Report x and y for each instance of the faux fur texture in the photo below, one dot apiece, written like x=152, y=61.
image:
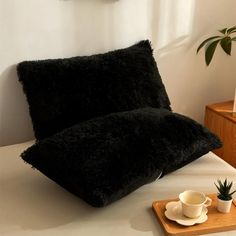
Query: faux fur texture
x=63, y=92
x=104, y=159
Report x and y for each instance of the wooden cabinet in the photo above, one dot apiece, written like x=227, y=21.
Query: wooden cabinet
x=219, y=119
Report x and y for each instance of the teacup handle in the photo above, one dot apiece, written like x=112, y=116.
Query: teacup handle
x=208, y=202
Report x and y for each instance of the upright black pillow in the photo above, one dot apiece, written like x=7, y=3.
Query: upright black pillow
x=104, y=159
x=63, y=92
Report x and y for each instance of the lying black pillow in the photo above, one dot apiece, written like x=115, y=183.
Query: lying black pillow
x=63, y=92
x=104, y=159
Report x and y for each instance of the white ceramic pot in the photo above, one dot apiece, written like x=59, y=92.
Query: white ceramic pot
x=224, y=205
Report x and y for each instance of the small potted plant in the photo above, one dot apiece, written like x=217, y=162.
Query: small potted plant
x=224, y=195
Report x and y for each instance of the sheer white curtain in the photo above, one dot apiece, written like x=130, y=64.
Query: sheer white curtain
x=172, y=21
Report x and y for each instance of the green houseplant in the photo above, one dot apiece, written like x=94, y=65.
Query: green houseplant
x=224, y=195
x=225, y=39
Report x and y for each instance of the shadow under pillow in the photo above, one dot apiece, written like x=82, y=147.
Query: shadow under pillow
x=104, y=159
x=63, y=92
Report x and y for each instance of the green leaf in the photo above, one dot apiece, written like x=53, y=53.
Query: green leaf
x=223, y=31
x=220, y=183
x=233, y=31
x=206, y=41
x=225, y=183
x=233, y=39
x=230, y=30
x=218, y=188
x=210, y=50
x=232, y=193
x=226, y=45
x=223, y=188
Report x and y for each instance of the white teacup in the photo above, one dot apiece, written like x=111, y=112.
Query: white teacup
x=193, y=202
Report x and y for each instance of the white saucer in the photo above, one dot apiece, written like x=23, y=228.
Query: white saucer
x=174, y=212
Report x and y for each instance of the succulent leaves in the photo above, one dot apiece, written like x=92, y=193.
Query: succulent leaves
x=224, y=189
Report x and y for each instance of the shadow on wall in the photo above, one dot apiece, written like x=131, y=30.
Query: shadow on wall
x=13, y=110
x=171, y=21
x=177, y=28
x=172, y=37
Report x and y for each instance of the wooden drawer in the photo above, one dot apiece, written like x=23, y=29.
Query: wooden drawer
x=219, y=119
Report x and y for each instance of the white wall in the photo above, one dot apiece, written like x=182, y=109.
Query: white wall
x=185, y=24
x=37, y=29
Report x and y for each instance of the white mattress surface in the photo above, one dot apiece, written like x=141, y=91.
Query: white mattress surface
x=33, y=205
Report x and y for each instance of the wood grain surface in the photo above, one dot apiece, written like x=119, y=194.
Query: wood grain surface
x=219, y=119
x=217, y=222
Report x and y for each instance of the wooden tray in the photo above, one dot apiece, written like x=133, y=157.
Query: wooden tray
x=217, y=222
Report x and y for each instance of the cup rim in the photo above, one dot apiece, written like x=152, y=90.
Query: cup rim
x=192, y=191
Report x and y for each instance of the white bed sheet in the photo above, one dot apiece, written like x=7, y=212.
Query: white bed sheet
x=33, y=205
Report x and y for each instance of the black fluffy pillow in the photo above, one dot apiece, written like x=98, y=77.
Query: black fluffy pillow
x=104, y=159
x=63, y=92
